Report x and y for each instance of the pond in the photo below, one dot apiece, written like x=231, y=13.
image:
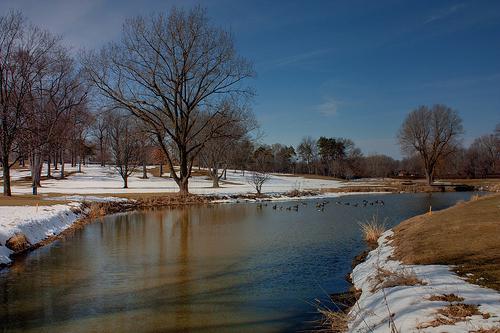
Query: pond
x=213, y=268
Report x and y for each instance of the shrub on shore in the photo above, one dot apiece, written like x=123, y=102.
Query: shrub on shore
x=372, y=230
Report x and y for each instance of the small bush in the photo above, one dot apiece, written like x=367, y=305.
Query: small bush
x=372, y=230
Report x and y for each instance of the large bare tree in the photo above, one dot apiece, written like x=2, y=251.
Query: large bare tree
x=171, y=72
x=432, y=132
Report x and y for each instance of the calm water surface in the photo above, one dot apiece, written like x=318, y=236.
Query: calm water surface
x=220, y=268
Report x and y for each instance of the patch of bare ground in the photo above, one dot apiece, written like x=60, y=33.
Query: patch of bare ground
x=446, y=298
x=172, y=200
x=308, y=176
x=452, y=314
x=298, y=193
x=29, y=200
x=464, y=236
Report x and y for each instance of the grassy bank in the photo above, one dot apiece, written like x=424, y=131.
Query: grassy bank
x=465, y=236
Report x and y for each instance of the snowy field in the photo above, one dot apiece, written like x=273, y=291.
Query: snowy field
x=105, y=180
x=410, y=305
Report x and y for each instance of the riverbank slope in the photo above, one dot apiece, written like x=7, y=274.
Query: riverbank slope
x=435, y=272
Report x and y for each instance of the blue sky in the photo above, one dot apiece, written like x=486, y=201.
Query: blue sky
x=333, y=68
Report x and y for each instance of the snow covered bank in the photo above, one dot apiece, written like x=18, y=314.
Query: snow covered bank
x=34, y=222
x=409, y=308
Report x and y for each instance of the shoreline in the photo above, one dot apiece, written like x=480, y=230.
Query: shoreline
x=387, y=294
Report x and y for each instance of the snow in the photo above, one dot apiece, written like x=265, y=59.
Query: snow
x=35, y=222
x=95, y=179
x=410, y=304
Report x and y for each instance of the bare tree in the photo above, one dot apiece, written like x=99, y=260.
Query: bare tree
x=99, y=131
x=241, y=154
x=257, y=180
x=216, y=153
x=159, y=158
x=23, y=50
x=379, y=165
x=483, y=156
x=124, y=145
x=56, y=89
x=433, y=133
x=170, y=72
x=307, y=152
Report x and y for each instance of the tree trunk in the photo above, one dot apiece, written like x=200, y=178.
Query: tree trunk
x=183, y=172
x=6, y=176
x=125, y=181
x=429, y=176
x=101, y=147
x=144, y=171
x=36, y=169
x=55, y=161
x=161, y=169
x=48, y=166
x=62, y=168
x=183, y=187
x=214, y=173
x=79, y=164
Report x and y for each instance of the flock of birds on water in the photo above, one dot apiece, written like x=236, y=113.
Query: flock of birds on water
x=320, y=206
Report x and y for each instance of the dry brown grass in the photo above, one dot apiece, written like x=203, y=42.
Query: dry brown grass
x=372, y=230
x=29, y=200
x=465, y=236
x=487, y=330
x=475, y=197
x=451, y=314
x=446, y=298
x=333, y=321
x=388, y=279
x=18, y=243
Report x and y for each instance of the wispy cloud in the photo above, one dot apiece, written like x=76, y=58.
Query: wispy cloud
x=301, y=57
x=444, y=13
x=329, y=107
x=295, y=59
